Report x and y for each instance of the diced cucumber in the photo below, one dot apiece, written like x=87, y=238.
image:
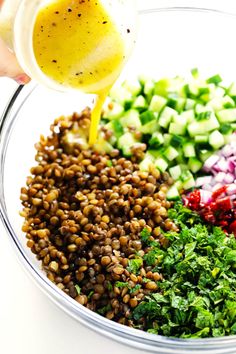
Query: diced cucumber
x=157, y=103
x=133, y=86
x=204, y=155
x=140, y=103
x=203, y=126
x=194, y=164
x=126, y=142
x=189, y=183
x=120, y=94
x=227, y=128
x=173, y=193
x=189, y=150
x=216, y=79
x=230, y=138
x=191, y=90
x=161, y=164
x=170, y=153
x=175, y=172
x=131, y=119
x=176, y=102
x=146, y=162
x=166, y=116
x=147, y=116
x=228, y=102
x=148, y=89
x=190, y=104
x=179, y=185
x=216, y=139
x=115, y=110
x=156, y=140
x=176, y=128
x=117, y=127
x=188, y=116
x=162, y=87
x=176, y=140
x=201, y=108
x=180, y=119
x=150, y=127
x=201, y=139
x=227, y=115
x=153, y=153
x=195, y=73
x=167, y=139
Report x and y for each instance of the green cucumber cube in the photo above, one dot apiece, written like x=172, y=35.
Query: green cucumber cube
x=189, y=150
x=139, y=103
x=175, y=172
x=120, y=94
x=161, y=164
x=173, y=193
x=157, y=103
x=131, y=119
x=176, y=128
x=170, y=153
x=150, y=127
x=216, y=139
x=227, y=115
x=194, y=164
x=126, y=142
x=133, y=86
x=146, y=162
x=114, y=112
x=166, y=116
x=156, y=140
x=147, y=116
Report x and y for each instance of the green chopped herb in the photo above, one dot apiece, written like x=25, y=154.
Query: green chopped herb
x=134, y=265
x=109, y=286
x=121, y=284
x=216, y=79
x=145, y=236
x=90, y=294
x=135, y=288
x=78, y=289
x=197, y=296
x=103, y=310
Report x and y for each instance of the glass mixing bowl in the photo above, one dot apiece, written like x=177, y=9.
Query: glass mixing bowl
x=171, y=41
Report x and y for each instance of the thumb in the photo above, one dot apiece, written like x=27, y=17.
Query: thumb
x=9, y=66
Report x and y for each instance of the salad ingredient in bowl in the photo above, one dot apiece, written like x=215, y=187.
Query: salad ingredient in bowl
x=103, y=223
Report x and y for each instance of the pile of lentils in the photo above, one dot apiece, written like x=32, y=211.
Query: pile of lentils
x=83, y=214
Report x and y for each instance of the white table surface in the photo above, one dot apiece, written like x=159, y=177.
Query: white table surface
x=29, y=322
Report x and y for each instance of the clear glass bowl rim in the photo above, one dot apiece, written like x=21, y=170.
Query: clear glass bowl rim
x=128, y=336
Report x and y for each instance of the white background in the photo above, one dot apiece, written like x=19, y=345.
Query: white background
x=29, y=322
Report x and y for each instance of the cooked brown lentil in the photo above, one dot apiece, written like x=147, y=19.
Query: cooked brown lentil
x=84, y=212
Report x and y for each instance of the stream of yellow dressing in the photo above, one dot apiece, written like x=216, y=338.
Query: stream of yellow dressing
x=76, y=43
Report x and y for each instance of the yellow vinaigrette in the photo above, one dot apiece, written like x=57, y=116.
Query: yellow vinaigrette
x=77, y=44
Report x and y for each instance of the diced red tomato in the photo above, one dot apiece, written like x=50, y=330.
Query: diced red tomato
x=221, y=211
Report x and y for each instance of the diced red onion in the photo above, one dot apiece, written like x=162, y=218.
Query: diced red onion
x=229, y=178
x=217, y=186
x=210, y=162
x=206, y=196
x=231, y=189
x=201, y=181
x=220, y=177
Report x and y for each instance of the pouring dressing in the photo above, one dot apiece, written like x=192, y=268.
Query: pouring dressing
x=72, y=45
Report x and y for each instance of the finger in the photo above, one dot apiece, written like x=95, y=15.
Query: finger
x=9, y=66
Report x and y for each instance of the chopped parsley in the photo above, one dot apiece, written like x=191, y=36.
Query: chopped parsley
x=134, y=265
x=197, y=296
